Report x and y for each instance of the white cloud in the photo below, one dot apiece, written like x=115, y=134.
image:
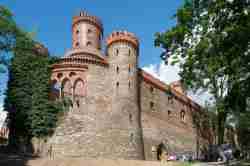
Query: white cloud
x=165, y=73
x=168, y=74
x=1, y=106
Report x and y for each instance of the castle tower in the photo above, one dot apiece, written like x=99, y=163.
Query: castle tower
x=86, y=31
x=122, y=52
x=104, y=121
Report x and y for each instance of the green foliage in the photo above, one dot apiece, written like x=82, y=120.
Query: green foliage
x=243, y=129
x=211, y=42
x=9, y=31
x=31, y=112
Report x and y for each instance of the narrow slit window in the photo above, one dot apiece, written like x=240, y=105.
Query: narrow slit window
x=182, y=115
x=77, y=103
x=117, y=70
x=152, y=105
x=117, y=84
x=131, y=137
x=129, y=84
x=117, y=52
x=151, y=89
x=130, y=117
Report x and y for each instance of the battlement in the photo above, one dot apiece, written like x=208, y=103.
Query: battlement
x=85, y=17
x=122, y=36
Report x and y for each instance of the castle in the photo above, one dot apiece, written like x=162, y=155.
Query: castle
x=117, y=110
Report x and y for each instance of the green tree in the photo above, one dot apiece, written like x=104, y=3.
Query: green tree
x=31, y=112
x=211, y=43
x=9, y=31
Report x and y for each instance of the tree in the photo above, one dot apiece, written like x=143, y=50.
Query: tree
x=31, y=112
x=9, y=31
x=211, y=43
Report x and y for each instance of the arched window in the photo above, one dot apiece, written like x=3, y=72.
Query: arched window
x=79, y=88
x=129, y=84
x=117, y=85
x=77, y=31
x=182, y=115
x=71, y=74
x=59, y=75
x=129, y=68
x=66, y=88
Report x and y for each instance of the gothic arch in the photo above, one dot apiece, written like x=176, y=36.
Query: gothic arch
x=66, y=87
x=79, y=89
x=182, y=115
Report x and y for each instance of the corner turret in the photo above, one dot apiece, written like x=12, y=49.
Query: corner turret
x=123, y=36
x=122, y=55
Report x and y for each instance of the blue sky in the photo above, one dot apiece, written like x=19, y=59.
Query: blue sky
x=51, y=20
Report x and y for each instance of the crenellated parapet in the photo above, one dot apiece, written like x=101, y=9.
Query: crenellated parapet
x=123, y=36
x=85, y=17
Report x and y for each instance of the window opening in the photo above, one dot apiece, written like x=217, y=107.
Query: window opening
x=117, y=52
x=89, y=43
x=117, y=69
x=152, y=105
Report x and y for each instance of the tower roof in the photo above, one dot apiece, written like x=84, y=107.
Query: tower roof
x=122, y=36
x=85, y=17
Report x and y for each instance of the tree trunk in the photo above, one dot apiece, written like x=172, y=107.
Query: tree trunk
x=235, y=138
x=221, y=127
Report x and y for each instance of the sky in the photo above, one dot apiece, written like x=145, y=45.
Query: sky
x=51, y=22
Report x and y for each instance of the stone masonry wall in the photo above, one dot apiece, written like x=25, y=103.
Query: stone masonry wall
x=83, y=130
x=105, y=122
x=123, y=72
x=161, y=120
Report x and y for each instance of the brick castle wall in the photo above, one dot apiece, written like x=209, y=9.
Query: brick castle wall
x=116, y=110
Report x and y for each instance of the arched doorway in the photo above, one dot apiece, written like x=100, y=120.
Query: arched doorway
x=162, y=151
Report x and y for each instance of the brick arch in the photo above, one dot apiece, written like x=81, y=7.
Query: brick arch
x=79, y=88
x=66, y=87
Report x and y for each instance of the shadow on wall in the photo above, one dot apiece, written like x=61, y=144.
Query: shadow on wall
x=205, y=132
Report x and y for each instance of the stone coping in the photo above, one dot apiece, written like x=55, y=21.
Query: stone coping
x=164, y=87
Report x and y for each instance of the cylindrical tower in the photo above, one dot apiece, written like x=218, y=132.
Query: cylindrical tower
x=87, y=31
x=122, y=52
